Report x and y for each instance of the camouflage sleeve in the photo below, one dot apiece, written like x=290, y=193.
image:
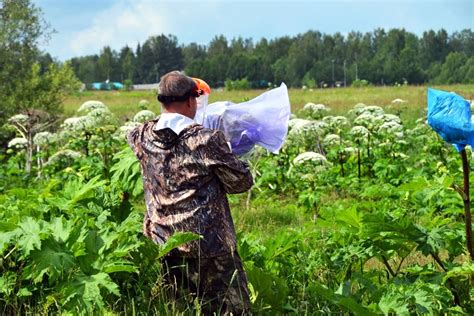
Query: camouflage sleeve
x=233, y=173
x=132, y=141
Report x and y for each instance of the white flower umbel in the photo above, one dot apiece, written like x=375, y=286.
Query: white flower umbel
x=143, y=104
x=310, y=156
x=44, y=138
x=359, y=131
x=315, y=107
x=66, y=153
x=297, y=123
x=390, y=128
x=79, y=123
x=315, y=110
x=398, y=101
x=373, y=109
x=368, y=120
x=336, y=121
x=143, y=116
x=18, y=143
x=19, y=118
x=127, y=128
x=92, y=105
x=391, y=118
x=331, y=140
x=101, y=117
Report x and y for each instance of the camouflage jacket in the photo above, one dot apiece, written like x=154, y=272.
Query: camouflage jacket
x=185, y=179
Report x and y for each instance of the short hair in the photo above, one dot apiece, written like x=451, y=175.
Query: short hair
x=176, y=84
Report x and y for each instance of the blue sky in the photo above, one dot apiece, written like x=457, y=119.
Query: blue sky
x=84, y=27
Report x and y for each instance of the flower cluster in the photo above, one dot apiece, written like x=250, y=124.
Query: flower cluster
x=96, y=117
x=18, y=118
x=79, y=123
x=390, y=127
x=336, y=121
x=44, y=138
x=89, y=106
x=18, y=143
x=64, y=154
x=310, y=156
x=144, y=115
x=331, y=140
x=127, y=128
x=359, y=132
x=315, y=110
x=143, y=104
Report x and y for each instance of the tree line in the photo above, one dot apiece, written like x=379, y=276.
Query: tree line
x=312, y=59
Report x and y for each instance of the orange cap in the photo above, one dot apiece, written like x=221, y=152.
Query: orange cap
x=202, y=85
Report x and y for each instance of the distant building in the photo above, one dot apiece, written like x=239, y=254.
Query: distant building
x=148, y=86
x=106, y=85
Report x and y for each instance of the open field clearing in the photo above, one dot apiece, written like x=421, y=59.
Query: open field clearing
x=358, y=213
x=125, y=104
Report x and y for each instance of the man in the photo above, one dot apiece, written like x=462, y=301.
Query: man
x=187, y=170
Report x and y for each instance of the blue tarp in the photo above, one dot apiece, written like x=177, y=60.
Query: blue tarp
x=450, y=116
x=106, y=85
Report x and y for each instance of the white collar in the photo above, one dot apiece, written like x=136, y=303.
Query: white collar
x=175, y=121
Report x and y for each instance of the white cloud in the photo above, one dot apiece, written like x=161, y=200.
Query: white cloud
x=126, y=22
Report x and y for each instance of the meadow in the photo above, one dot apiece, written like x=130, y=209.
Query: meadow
x=359, y=213
x=123, y=103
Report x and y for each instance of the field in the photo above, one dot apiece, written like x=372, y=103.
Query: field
x=123, y=104
x=359, y=213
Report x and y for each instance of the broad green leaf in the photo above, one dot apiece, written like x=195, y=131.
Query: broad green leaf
x=177, y=240
x=53, y=259
x=24, y=292
x=60, y=229
x=120, y=266
x=30, y=233
x=344, y=301
x=5, y=239
x=466, y=271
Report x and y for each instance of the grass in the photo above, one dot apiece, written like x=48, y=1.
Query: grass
x=125, y=103
x=266, y=216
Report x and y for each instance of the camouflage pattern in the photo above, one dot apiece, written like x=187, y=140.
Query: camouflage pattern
x=186, y=178
x=219, y=283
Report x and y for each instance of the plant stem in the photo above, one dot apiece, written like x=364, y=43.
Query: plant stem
x=358, y=158
x=467, y=203
x=389, y=268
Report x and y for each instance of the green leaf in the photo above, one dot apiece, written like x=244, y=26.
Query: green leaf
x=466, y=271
x=53, y=259
x=346, y=302
x=30, y=232
x=120, y=266
x=24, y=292
x=176, y=240
x=60, y=229
x=5, y=239
x=86, y=290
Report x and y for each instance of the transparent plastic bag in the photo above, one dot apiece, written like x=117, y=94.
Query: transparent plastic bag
x=261, y=121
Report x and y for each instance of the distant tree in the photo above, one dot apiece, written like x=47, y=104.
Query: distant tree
x=159, y=55
x=107, y=63
x=22, y=28
x=454, y=69
x=127, y=64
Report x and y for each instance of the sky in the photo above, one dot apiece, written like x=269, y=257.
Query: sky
x=85, y=27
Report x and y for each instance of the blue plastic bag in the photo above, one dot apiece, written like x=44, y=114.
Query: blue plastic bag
x=261, y=121
x=450, y=116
